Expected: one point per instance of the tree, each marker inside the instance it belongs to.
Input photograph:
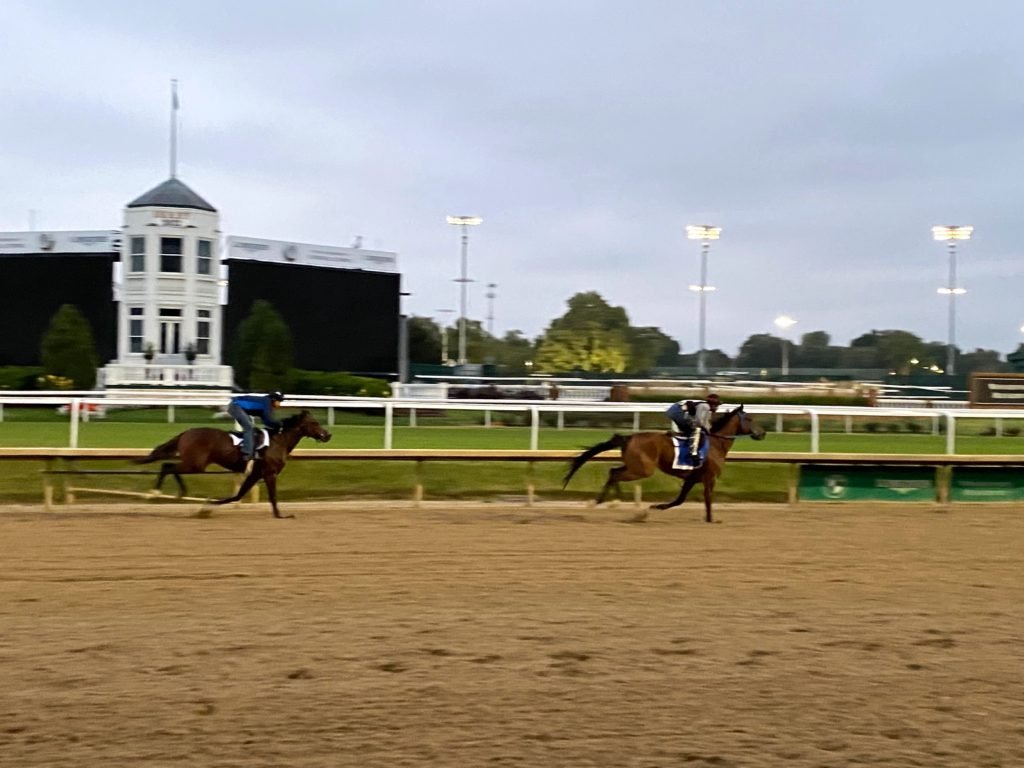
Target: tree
(513, 351)
(424, 340)
(264, 352)
(69, 349)
(815, 351)
(592, 336)
(762, 350)
(893, 349)
(651, 348)
(595, 350)
(982, 360)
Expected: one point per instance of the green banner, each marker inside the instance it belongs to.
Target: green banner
(986, 484)
(859, 483)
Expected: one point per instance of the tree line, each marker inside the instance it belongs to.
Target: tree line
(597, 338)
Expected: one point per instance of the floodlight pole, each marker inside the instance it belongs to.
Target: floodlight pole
(951, 234)
(465, 222)
(705, 233)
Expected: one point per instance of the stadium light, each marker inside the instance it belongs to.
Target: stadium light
(951, 234)
(465, 222)
(705, 233)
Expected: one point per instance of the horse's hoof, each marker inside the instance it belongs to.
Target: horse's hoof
(204, 513)
(659, 506)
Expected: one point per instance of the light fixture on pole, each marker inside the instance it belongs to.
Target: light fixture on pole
(784, 323)
(444, 334)
(490, 307)
(705, 233)
(951, 234)
(465, 222)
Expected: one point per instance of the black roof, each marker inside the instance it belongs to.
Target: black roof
(172, 193)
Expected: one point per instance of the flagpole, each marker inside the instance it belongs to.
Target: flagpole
(174, 128)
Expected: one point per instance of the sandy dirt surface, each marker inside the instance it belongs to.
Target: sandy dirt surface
(490, 635)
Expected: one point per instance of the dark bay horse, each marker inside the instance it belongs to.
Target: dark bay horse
(195, 449)
(644, 452)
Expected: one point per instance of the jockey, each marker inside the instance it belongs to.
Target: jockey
(691, 418)
(243, 407)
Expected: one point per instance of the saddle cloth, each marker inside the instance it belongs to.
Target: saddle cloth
(260, 439)
(681, 455)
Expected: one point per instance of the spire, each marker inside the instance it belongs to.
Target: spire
(174, 128)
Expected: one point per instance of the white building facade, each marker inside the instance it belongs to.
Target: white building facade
(169, 288)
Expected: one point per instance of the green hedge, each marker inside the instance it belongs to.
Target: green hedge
(342, 384)
(19, 377)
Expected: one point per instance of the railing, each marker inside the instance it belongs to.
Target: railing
(389, 407)
(61, 471)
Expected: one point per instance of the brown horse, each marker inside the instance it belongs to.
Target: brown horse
(195, 449)
(643, 452)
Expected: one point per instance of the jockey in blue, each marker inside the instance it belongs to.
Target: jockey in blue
(243, 407)
(691, 418)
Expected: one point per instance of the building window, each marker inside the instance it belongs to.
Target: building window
(138, 263)
(135, 315)
(204, 261)
(170, 254)
(203, 332)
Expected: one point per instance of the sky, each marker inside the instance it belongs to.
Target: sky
(825, 138)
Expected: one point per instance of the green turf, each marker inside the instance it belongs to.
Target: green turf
(144, 428)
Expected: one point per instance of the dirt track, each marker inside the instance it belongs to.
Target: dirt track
(507, 636)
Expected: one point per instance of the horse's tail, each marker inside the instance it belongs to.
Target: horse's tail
(166, 450)
(616, 441)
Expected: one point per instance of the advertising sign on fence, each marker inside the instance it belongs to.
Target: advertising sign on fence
(997, 390)
(872, 483)
(986, 484)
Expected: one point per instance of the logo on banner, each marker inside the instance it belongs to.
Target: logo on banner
(46, 242)
(836, 486)
(290, 252)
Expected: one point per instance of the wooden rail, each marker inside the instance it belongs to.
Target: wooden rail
(68, 456)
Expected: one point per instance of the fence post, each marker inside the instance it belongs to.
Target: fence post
(170, 414)
(950, 433)
(1, 412)
(412, 417)
(561, 419)
(389, 425)
(636, 423)
(330, 415)
(815, 432)
(73, 411)
(487, 417)
(534, 428)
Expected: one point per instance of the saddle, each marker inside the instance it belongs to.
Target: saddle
(681, 453)
(260, 440)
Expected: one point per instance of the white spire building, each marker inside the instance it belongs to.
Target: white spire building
(169, 315)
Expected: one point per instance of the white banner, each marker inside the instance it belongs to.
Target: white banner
(284, 252)
(89, 241)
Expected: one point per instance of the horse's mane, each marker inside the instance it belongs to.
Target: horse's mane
(290, 422)
(721, 420)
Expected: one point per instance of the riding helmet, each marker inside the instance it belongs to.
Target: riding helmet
(276, 397)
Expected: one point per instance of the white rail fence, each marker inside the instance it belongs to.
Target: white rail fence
(83, 406)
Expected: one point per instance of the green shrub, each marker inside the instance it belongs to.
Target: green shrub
(19, 377)
(341, 384)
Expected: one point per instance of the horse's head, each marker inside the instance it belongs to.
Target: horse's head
(304, 423)
(735, 423)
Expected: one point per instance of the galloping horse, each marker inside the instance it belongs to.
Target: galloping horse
(197, 448)
(643, 452)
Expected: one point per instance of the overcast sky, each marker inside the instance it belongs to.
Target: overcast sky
(826, 139)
